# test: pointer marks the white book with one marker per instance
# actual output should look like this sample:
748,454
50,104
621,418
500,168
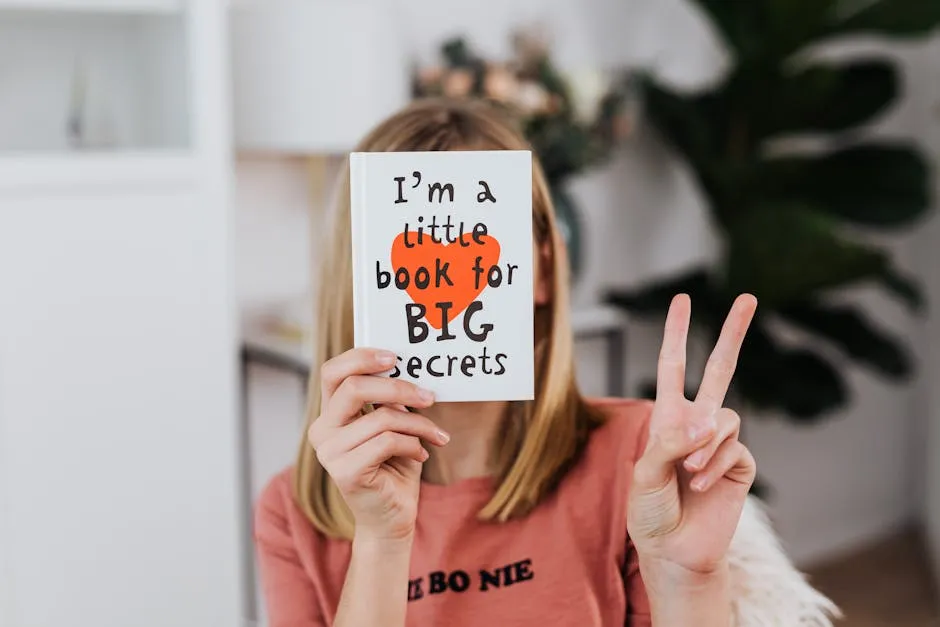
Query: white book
442,268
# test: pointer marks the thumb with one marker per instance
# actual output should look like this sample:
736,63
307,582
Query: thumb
657,466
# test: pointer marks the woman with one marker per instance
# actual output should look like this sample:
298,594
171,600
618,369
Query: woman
559,511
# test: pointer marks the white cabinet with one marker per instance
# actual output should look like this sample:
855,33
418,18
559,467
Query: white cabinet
98,75
117,414
119,439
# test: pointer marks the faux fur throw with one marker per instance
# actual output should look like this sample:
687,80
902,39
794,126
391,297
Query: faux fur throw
768,591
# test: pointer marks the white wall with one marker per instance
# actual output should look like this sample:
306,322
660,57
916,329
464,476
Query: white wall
930,394
928,391
836,484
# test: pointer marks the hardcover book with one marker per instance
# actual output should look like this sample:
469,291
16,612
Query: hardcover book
443,268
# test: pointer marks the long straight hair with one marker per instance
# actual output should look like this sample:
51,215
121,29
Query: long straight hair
540,439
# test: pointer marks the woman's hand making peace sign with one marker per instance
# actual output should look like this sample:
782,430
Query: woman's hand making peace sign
690,484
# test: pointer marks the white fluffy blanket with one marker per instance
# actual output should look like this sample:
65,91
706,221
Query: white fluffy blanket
768,591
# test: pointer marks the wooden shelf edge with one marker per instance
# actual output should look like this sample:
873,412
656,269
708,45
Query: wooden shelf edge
135,7
30,173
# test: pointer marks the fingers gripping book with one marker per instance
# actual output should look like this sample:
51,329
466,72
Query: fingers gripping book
443,268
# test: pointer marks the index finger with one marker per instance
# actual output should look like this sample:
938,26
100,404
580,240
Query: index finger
724,358
670,375
354,361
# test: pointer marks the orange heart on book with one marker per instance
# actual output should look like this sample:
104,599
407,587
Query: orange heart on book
434,263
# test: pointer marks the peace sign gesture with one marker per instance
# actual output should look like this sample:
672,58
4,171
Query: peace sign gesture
690,484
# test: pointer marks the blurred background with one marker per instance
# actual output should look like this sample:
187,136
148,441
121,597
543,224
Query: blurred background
165,169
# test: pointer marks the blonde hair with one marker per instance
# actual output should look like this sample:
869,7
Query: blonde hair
540,439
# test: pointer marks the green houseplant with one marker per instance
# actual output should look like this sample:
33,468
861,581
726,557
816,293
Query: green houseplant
784,217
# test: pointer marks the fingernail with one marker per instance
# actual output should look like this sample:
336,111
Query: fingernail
699,483
696,460
424,454
385,358
443,436
426,395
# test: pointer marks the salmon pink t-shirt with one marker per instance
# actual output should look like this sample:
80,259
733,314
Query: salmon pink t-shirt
568,562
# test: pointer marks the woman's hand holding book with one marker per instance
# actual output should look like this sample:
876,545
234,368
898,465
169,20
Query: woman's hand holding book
374,458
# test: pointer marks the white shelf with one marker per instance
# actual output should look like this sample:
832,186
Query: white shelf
96,6
45,172
124,76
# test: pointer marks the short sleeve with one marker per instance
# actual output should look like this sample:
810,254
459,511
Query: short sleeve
290,598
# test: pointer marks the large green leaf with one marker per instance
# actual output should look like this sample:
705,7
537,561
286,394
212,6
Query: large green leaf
696,126
903,287
742,24
872,185
826,98
809,385
682,119
896,18
654,298
796,381
795,23
783,254
765,32
851,331
768,31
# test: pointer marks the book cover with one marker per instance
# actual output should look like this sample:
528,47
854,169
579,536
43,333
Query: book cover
443,268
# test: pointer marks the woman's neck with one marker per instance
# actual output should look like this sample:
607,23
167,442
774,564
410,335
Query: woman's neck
473,429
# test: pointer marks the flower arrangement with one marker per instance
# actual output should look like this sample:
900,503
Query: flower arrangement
573,121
